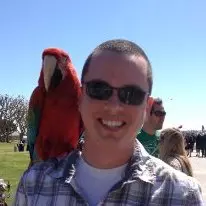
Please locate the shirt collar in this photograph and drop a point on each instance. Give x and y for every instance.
(140, 166)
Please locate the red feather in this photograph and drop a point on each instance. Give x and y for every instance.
(60, 124)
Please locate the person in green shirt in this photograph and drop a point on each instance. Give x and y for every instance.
(149, 135)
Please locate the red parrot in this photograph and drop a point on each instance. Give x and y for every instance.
(54, 123)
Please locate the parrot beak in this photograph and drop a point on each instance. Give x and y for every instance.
(49, 65)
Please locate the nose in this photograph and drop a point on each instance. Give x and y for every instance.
(113, 104)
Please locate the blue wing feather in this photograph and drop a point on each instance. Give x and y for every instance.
(32, 131)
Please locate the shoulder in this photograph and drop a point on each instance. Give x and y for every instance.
(178, 181)
(36, 173)
(177, 186)
(46, 172)
(167, 184)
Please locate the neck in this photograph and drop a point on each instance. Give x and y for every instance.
(148, 129)
(104, 156)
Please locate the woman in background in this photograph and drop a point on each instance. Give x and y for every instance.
(172, 150)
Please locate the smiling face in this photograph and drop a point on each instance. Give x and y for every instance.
(110, 121)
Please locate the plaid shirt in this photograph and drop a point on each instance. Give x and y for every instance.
(148, 181)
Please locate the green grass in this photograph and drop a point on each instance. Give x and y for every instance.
(12, 166)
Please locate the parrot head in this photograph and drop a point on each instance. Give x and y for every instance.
(54, 67)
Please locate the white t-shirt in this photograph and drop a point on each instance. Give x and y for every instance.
(93, 183)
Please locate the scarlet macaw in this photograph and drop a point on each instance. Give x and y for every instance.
(54, 123)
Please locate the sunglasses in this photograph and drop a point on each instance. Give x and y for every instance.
(101, 90)
(159, 113)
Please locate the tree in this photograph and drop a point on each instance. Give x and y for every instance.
(6, 128)
(13, 116)
(21, 115)
(7, 116)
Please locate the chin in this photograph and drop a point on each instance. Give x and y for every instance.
(158, 128)
(109, 137)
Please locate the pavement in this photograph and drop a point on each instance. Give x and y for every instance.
(199, 170)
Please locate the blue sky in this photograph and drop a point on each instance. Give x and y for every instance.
(173, 34)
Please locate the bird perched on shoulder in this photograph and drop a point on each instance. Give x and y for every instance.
(54, 123)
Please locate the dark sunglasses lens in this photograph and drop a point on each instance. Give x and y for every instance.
(160, 113)
(98, 90)
(131, 95)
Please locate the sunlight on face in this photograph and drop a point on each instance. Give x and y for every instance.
(117, 70)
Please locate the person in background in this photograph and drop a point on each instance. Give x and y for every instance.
(172, 150)
(198, 144)
(148, 135)
(203, 143)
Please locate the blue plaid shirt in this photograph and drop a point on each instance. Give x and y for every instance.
(147, 182)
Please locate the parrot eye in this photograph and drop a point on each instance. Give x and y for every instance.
(64, 60)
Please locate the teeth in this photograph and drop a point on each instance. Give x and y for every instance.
(112, 123)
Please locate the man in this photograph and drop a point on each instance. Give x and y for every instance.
(203, 143)
(113, 168)
(148, 135)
